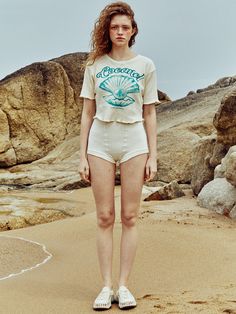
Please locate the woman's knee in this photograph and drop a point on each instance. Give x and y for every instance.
(129, 219)
(106, 219)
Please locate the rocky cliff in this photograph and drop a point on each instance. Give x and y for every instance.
(182, 126)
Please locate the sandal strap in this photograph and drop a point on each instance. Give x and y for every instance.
(104, 298)
(125, 297)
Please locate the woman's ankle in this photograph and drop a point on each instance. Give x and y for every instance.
(122, 283)
(109, 285)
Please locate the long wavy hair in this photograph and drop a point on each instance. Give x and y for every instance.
(100, 39)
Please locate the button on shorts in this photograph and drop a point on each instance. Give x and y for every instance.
(117, 141)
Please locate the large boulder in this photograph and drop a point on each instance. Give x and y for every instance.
(218, 195)
(219, 151)
(174, 162)
(37, 101)
(230, 172)
(73, 64)
(39, 108)
(7, 153)
(226, 167)
(225, 120)
(202, 172)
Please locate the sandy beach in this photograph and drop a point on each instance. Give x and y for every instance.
(185, 261)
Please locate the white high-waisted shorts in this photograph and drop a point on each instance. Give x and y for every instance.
(116, 141)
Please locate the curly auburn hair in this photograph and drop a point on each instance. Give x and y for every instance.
(100, 39)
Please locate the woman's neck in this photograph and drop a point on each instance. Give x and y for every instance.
(121, 54)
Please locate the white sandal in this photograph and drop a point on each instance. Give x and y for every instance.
(125, 298)
(104, 299)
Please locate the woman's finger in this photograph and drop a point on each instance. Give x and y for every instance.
(86, 171)
(147, 173)
(84, 174)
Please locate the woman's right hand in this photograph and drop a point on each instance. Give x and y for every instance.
(84, 169)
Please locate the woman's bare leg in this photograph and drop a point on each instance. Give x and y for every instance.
(102, 174)
(132, 178)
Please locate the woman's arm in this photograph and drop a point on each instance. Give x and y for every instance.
(85, 124)
(149, 115)
(88, 112)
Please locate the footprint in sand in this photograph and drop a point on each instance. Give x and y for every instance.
(229, 311)
(159, 306)
(198, 302)
(149, 297)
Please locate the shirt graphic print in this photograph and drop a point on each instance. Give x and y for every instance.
(120, 88)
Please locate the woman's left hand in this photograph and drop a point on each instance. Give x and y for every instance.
(150, 169)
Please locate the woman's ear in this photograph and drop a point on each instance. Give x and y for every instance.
(133, 31)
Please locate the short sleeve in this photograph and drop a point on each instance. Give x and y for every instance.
(150, 89)
(88, 90)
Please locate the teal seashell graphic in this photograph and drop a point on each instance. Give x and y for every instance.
(119, 102)
(118, 88)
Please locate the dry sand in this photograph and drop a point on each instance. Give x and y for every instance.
(185, 262)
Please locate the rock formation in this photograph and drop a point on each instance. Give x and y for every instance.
(202, 171)
(220, 193)
(181, 125)
(225, 120)
(167, 192)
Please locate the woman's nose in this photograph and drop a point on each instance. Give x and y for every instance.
(120, 30)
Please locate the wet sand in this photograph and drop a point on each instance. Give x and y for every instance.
(185, 261)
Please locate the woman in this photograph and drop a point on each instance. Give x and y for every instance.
(118, 124)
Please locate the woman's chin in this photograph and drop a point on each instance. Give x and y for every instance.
(120, 43)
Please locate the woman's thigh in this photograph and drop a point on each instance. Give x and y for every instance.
(132, 178)
(102, 175)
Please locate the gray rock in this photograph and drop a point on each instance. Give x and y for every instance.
(219, 172)
(230, 172)
(219, 152)
(232, 213)
(167, 192)
(218, 195)
(225, 120)
(221, 169)
(202, 172)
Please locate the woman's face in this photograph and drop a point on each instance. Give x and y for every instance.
(120, 30)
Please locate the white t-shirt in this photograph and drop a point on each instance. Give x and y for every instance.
(120, 88)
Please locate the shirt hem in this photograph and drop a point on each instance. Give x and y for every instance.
(118, 120)
(86, 96)
(152, 102)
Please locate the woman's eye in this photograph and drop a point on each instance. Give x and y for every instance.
(126, 28)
